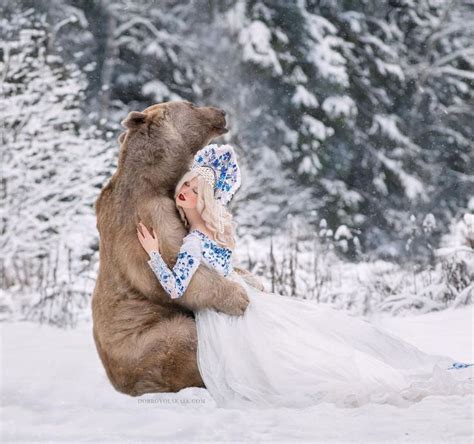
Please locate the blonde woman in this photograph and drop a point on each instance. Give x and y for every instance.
(283, 351)
(200, 213)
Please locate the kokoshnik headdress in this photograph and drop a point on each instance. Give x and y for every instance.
(218, 165)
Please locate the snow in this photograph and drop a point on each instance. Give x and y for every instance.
(235, 16)
(461, 233)
(413, 187)
(387, 69)
(310, 164)
(325, 55)
(298, 75)
(330, 64)
(353, 19)
(380, 45)
(54, 388)
(303, 97)
(343, 231)
(339, 106)
(386, 125)
(256, 47)
(315, 128)
(338, 188)
(156, 89)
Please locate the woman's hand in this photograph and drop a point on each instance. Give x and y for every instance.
(149, 241)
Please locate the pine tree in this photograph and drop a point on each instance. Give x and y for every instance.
(52, 170)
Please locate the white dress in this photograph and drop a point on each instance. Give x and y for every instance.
(291, 352)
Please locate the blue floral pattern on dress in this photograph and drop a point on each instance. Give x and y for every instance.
(214, 255)
(196, 247)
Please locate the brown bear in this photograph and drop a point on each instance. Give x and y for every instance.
(147, 341)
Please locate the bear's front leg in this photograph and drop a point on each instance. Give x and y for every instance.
(209, 289)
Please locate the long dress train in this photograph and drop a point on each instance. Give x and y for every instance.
(290, 352)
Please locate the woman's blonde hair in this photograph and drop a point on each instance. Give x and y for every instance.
(207, 207)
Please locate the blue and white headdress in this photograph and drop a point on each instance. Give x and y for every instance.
(218, 165)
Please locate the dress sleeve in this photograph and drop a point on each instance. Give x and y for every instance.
(176, 281)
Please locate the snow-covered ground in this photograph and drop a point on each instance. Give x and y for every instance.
(53, 388)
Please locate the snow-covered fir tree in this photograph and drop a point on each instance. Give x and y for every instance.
(52, 170)
(355, 112)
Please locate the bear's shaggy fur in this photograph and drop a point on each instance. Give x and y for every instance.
(145, 340)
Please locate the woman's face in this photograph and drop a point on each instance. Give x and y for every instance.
(187, 196)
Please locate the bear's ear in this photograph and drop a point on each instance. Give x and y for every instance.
(121, 138)
(134, 120)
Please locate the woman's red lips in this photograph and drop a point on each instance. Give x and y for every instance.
(181, 197)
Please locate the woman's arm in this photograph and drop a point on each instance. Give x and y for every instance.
(176, 281)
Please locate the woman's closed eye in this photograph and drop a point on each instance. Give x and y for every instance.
(194, 189)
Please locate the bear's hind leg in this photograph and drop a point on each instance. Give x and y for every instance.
(168, 362)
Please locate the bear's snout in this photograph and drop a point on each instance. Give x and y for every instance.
(220, 121)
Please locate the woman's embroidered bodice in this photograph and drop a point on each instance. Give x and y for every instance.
(197, 247)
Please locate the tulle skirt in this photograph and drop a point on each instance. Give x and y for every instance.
(288, 352)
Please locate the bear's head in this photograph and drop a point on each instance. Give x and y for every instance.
(161, 141)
